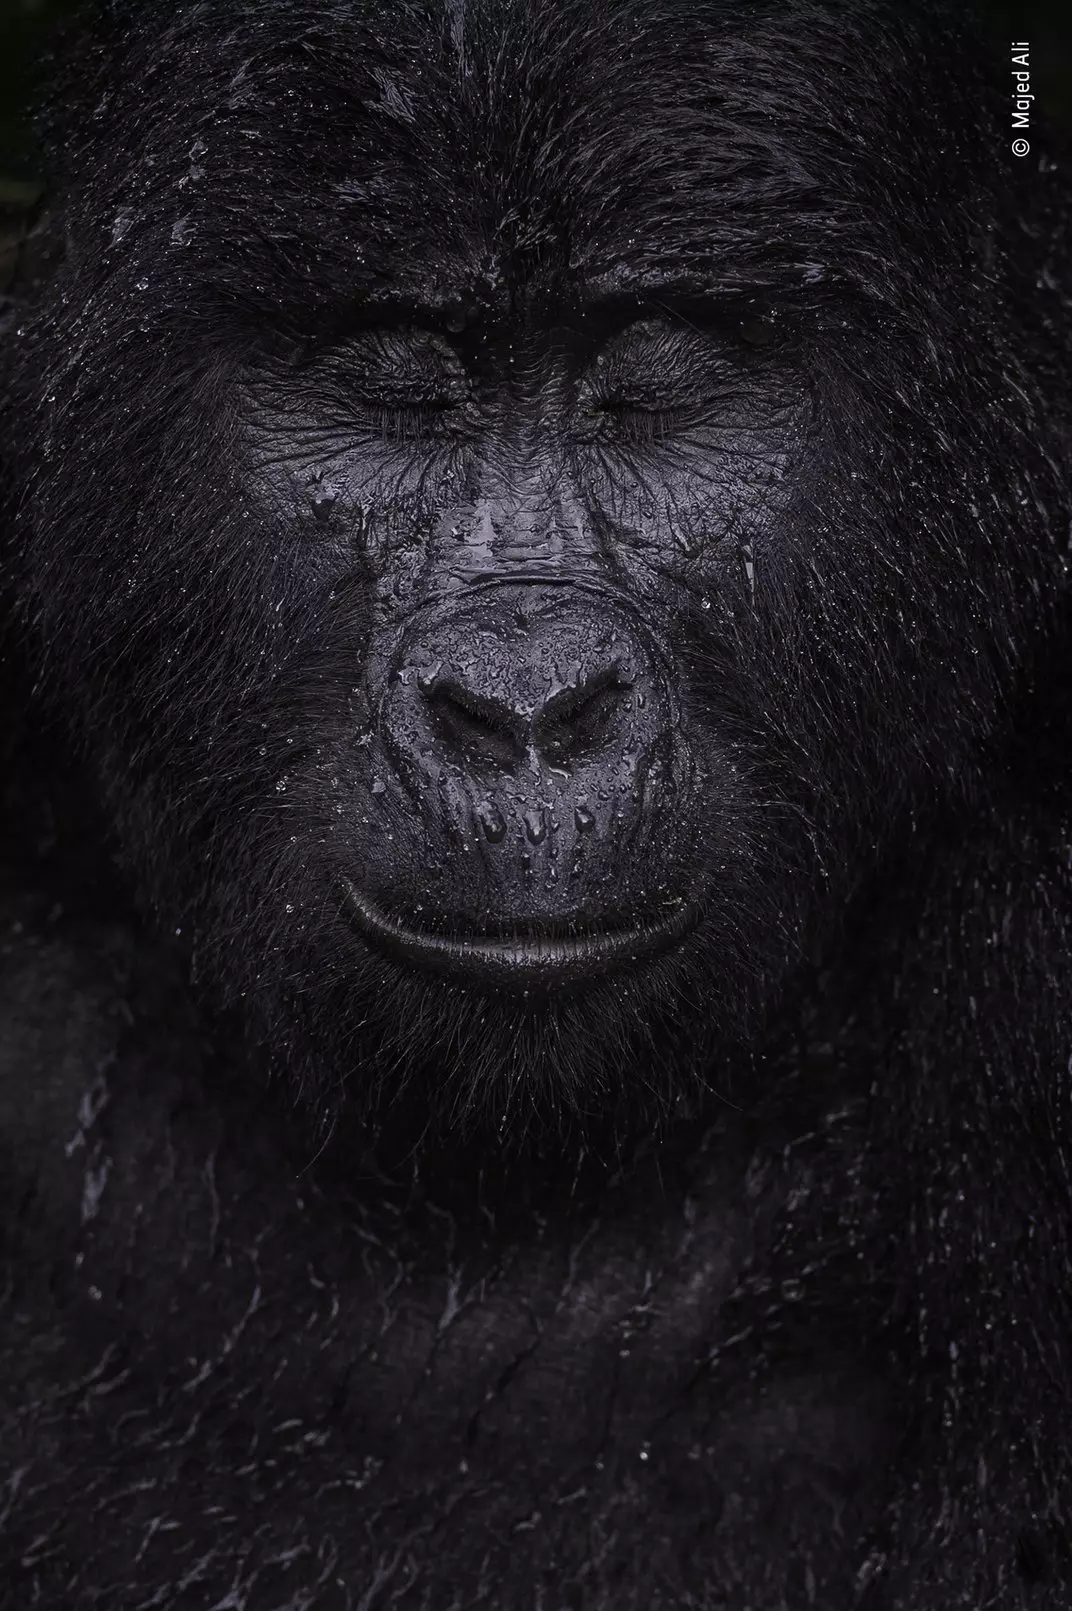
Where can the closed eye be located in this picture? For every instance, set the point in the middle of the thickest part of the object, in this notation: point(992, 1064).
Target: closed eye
point(399, 383)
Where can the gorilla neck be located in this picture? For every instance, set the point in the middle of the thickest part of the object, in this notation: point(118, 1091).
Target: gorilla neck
point(168, 1207)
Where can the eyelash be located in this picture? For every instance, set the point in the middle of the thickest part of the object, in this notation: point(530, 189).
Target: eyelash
point(641, 427)
point(408, 423)
point(749, 339)
point(394, 417)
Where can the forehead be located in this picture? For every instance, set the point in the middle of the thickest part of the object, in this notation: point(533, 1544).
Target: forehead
point(452, 151)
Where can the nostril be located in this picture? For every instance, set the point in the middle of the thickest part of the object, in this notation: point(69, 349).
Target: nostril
point(576, 717)
point(474, 720)
point(571, 704)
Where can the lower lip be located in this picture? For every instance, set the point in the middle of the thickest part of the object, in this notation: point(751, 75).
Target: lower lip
point(517, 962)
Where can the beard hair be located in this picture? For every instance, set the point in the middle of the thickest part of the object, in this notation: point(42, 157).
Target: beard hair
point(359, 1040)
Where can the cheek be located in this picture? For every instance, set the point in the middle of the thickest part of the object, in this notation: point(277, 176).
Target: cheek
point(350, 497)
point(702, 510)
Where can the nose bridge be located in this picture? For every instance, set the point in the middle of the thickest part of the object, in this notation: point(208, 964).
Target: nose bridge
point(526, 515)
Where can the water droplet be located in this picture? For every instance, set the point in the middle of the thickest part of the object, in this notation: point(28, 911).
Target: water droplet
point(535, 826)
point(749, 566)
point(123, 220)
point(492, 821)
point(324, 497)
point(685, 537)
point(584, 818)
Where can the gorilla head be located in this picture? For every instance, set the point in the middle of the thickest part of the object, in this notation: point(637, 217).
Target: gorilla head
point(515, 503)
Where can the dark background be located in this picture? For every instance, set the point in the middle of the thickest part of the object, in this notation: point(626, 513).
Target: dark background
point(25, 25)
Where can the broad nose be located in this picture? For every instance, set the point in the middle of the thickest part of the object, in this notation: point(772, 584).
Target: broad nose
point(560, 682)
point(501, 724)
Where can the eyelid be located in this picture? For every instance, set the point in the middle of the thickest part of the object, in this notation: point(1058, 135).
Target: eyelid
point(412, 342)
point(419, 372)
point(647, 368)
point(719, 324)
point(667, 352)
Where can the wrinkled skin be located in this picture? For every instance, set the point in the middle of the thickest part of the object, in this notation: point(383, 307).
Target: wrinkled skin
point(551, 544)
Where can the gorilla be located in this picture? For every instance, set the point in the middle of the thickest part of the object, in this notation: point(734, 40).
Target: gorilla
point(537, 894)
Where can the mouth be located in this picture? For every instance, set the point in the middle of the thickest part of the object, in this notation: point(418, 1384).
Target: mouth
point(529, 956)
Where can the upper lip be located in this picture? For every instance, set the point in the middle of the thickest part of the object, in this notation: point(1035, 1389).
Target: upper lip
point(525, 957)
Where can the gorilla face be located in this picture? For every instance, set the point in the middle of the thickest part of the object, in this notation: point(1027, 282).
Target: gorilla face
point(512, 519)
point(523, 791)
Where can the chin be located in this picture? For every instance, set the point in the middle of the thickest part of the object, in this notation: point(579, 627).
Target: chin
point(519, 1033)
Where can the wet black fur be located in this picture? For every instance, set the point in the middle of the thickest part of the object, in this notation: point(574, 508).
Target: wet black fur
point(743, 1281)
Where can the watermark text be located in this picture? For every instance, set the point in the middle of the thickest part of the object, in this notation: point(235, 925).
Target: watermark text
point(1021, 95)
